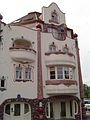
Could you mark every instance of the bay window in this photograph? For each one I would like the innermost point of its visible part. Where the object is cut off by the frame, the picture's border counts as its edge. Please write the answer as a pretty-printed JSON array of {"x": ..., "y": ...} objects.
[{"x": 61, "y": 72}]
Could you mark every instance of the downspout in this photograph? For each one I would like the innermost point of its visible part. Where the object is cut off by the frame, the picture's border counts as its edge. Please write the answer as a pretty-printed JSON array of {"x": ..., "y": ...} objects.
[{"x": 39, "y": 64}]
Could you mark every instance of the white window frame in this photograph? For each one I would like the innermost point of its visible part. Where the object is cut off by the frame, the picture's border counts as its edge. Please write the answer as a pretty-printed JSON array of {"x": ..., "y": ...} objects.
[
  {"x": 19, "y": 74},
  {"x": 71, "y": 73},
  {"x": 28, "y": 73},
  {"x": 23, "y": 72},
  {"x": 48, "y": 107}
]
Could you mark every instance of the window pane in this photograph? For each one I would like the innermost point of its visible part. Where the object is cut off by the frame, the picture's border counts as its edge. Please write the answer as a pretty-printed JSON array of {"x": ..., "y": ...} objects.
[
  {"x": 18, "y": 73},
  {"x": 66, "y": 72},
  {"x": 16, "y": 109},
  {"x": 52, "y": 72},
  {"x": 2, "y": 83},
  {"x": 47, "y": 109},
  {"x": 52, "y": 48},
  {"x": 54, "y": 16},
  {"x": 51, "y": 110},
  {"x": 27, "y": 73},
  {"x": 26, "y": 108},
  {"x": 7, "y": 109},
  {"x": 71, "y": 73},
  {"x": 59, "y": 73}
]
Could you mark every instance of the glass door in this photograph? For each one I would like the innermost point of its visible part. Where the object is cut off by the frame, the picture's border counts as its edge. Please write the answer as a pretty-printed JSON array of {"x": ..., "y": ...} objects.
[{"x": 17, "y": 111}]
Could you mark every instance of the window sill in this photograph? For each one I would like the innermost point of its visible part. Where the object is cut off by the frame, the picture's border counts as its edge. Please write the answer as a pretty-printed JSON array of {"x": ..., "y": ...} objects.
[
  {"x": 23, "y": 80},
  {"x": 2, "y": 89}
]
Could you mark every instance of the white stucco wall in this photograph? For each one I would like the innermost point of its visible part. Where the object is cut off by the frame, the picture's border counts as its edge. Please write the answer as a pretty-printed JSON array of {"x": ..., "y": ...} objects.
[
  {"x": 25, "y": 89},
  {"x": 47, "y": 13},
  {"x": 47, "y": 39}
]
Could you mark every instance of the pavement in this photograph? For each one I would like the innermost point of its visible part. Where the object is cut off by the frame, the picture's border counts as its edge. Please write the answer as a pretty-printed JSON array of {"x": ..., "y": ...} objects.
[{"x": 87, "y": 117}]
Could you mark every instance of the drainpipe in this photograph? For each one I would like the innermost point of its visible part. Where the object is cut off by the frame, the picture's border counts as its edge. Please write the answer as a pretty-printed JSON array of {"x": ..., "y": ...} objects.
[{"x": 39, "y": 64}]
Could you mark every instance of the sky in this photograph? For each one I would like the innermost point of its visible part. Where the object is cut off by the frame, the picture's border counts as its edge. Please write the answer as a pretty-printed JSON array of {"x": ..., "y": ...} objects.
[{"x": 77, "y": 14}]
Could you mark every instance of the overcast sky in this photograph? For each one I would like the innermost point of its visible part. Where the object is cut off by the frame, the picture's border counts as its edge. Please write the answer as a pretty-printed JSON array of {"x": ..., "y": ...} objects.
[{"x": 77, "y": 18}]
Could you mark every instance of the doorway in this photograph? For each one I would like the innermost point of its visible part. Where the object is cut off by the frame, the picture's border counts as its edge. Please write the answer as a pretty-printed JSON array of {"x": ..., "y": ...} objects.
[
  {"x": 17, "y": 111},
  {"x": 63, "y": 109}
]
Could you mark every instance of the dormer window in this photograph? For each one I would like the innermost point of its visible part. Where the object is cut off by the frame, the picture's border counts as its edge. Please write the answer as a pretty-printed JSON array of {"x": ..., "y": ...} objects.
[{"x": 54, "y": 16}]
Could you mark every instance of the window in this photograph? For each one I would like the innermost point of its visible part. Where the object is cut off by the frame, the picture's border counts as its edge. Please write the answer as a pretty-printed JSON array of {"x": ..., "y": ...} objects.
[
  {"x": 18, "y": 72},
  {"x": 52, "y": 47},
  {"x": 17, "y": 109},
  {"x": 7, "y": 109},
  {"x": 2, "y": 83},
  {"x": 66, "y": 72},
  {"x": 61, "y": 72},
  {"x": 49, "y": 110},
  {"x": 26, "y": 108},
  {"x": 76, "y": 107},
  {"x": 52, "y": 72},
  {"x": 27, "y": 73},
  {"x": 54, "y": 16},
  {"x": 23, "y": 72}
]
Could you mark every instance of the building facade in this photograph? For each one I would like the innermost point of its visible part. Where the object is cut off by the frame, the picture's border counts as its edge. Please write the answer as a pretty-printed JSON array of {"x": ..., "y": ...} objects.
[{"x": 40, "y": 73}]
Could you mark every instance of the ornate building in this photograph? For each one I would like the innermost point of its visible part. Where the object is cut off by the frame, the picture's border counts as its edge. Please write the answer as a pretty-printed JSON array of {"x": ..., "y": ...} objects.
[{"x": 40, "y": 73}]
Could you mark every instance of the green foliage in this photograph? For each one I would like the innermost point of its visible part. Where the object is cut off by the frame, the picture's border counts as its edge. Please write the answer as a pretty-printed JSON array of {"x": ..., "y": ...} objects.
[{"x": 86, "y": 91}]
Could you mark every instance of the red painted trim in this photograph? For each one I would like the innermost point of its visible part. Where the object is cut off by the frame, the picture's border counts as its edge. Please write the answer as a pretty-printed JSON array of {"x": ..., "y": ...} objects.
[
  {"x": 39, "y": 64},
  {"x": 65, "y": 82}
]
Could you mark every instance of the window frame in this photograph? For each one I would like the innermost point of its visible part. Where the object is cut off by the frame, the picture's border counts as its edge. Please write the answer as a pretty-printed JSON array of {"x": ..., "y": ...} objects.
[
  {"x": 49, "y": 109},
  {"x": 66, "y": 71},
  {"x": 54, "y": 16},
  {"x": 2, "y": 85},
  {"x": 52, "y": 48},
  {"x": 23, "y": 72}
]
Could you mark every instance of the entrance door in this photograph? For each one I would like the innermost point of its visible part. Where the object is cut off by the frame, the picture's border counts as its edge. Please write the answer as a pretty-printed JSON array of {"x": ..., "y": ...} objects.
[
  {"x": 17, "y": 111},
  {"x": 63, "y": 109}
]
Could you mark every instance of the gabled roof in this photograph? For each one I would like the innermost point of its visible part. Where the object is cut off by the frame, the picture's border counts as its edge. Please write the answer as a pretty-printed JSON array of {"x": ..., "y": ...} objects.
[{"x": 29, "y": 18}]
